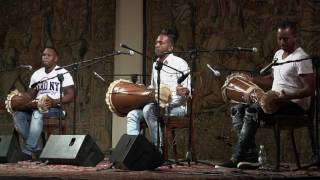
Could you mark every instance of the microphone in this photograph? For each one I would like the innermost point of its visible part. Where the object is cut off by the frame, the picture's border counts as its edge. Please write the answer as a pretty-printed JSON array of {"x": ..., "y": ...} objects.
[
  {"x": 254, "y": 49},
  {"x": 215, "y": 72},
  {"x": 29, "y": 67},
  {"x": 264, "y": 70},
  {"x": 129, "y": 48},
  {"x": 183, "y": 77},
  {"x": 98, "y": 76},
  {"x": 130, "y": 52}
]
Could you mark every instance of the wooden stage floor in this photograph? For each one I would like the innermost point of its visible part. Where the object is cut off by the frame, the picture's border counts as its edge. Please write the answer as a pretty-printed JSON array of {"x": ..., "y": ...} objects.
[{"x": 37, "y": 170}]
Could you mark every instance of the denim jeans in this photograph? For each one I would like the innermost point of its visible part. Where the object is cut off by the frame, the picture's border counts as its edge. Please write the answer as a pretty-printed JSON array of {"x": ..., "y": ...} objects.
[
  {"x": 29, "y": 124},
  {"x": 149, "y": 115},
  {"x": 246, "y": 119}
]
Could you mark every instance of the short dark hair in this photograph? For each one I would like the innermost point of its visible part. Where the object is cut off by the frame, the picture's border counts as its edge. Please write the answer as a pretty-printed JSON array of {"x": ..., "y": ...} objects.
[
  {"x": 293, "y": 26},
  {"x": 51, "y": 47},
  {"x": 171, "y": 33}
]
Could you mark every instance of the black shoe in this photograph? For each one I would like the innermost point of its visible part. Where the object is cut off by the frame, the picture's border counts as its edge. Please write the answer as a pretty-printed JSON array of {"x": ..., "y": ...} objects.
[
  {"x": 25, "y": 157},
  {"x": 36, "y": 155},
  {"x": 248, "y": 165},
  {"x": 227, "y": 164}
]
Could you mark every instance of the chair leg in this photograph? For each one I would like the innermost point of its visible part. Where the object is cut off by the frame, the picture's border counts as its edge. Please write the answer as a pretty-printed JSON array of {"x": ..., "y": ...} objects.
[
  {"x": 277, "y": 139},
  {"x": 295, "y": 148},
  {"x": 312, "y": 139},
  {"x": 165, "y": 142},
  {"x": 174, "y": 144},
  {"x": 193, "y": 146},
  {"x": 16, "y": 135},
  {"x": 43, "y": 138}
]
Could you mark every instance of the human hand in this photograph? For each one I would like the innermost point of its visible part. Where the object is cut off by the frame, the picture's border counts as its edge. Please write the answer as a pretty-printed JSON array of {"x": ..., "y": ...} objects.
[{"x": 182, "y": 91}]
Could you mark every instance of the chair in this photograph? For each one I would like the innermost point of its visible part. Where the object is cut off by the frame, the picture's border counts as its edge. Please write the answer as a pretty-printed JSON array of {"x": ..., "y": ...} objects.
[
  {"x": 291, "y": 123},
  {"x": 51, "y": 124},
  {"x": 172, "y": 123}
]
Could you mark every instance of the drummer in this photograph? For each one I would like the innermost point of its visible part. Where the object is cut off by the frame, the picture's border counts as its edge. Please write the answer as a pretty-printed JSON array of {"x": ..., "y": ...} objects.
[
  {"x": 293, "y": 81},
  {"x": 29, "y": 124},
  {"x": 163, "y": 50}
]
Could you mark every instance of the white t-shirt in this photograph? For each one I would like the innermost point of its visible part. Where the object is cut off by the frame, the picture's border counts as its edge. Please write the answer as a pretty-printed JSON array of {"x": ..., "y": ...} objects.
[
  {"x": 286, "y": 76},
  {"x": 51, "y": 87},
  {"x": 170, "y": 76}
]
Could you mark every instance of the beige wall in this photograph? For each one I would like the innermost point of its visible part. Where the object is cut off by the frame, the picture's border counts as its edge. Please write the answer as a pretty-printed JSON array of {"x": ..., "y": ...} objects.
[{"x": 129, "y": 31}]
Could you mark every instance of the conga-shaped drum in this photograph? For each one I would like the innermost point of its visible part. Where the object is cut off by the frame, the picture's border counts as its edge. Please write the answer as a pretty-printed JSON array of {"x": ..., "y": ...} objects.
[
  {"x": 17, "y": 101},
  {"x": 239, "y": 89},
  {"x": 123, "y": 96}
]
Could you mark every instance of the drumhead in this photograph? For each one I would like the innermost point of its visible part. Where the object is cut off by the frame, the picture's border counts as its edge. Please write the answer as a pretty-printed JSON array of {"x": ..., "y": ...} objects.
[
  {"x": 108, "y": 98},
  {"x": 9, "y": 100}
]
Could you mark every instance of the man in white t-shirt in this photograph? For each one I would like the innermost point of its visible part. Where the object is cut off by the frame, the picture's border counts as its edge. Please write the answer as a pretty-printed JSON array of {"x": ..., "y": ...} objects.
[
  {"x": 294, "y": 81},
  {"x": 168, "y": 76},
  {"x": 44, "y": 81}
]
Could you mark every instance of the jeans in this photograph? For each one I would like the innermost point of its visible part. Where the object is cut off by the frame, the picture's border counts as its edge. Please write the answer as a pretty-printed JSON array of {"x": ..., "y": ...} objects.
[
  {"x": 246, "y": 119},
  {"x": 29, "y": 124},
  {"x": 149, "y": 115}
]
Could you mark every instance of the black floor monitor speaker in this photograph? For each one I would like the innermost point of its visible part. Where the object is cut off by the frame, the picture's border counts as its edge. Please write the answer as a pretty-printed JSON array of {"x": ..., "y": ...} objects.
[
  {"x": 135, "y": 152},
  {"x": 78, "y": 150},
  {"x": 10, "y": 151}
]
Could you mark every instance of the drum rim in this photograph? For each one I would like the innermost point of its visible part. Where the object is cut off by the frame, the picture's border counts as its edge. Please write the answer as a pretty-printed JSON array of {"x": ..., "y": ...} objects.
[{"x": 109, "y": 96}]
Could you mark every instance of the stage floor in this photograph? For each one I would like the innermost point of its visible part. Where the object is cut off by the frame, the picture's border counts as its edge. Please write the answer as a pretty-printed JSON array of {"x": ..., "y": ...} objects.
[{"x": 38, "y": 170}]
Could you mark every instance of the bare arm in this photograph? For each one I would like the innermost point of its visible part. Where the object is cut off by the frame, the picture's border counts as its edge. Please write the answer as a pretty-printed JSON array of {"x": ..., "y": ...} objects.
[
  {"x": 265, "y": 82},
  {"x": 308, "y": 89},
  {"x": 67, "y": 98},
  {"x": 31, "y": 95}
]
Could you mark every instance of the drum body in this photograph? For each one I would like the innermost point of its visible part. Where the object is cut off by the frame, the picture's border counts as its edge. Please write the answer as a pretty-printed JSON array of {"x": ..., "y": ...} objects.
[
  {"x": 123, "y": 96},
  {"x": 239, "y": 89},
  {"x": 17, "y": 101}
]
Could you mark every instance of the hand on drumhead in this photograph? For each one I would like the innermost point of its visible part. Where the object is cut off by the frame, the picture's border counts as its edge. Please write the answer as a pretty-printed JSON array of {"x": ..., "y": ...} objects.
[
  {"x": 282, "y": 98},
  {"x": 45, "y": 103},
  {"x": 182, "y": 91},
  {"x": 48, "y": 103}
]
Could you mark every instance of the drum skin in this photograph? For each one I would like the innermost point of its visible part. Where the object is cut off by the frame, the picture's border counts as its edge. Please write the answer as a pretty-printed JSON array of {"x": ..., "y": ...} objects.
[{"x": 18, "y": 101}]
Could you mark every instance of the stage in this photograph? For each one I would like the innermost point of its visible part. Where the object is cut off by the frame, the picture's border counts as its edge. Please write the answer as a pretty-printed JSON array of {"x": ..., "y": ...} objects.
[{"x": 39, "y": 170}]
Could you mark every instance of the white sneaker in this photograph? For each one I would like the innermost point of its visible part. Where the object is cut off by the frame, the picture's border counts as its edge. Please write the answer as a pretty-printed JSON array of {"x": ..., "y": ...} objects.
[{"x": 248, "y": 165}]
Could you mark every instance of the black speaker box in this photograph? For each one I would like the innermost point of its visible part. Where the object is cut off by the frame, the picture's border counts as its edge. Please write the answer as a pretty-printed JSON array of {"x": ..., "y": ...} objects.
[
  {"x": 135, "y": 152},
  {"x": 10, "y": 151},
  {"x": 78, "y": 150}
]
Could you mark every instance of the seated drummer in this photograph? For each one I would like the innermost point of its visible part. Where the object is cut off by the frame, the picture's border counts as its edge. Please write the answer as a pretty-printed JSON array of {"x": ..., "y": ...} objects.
[
  {"x": 29, "y": 123},
  {"x": 293, "y": 81},
  {"x": 164, "y": 43}
]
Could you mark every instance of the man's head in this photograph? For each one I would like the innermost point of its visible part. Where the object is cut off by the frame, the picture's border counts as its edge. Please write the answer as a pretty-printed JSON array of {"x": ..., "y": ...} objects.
[
  {"x": 165, "y": 42},
  {"x": 287, "y": 36},
  {"x": 49, "y": 58}
]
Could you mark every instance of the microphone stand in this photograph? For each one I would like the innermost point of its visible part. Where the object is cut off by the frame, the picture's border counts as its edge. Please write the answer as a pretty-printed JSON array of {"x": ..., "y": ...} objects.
[
  {"x": 158, "y": 67},
  {"x": 60, "y": 78}
]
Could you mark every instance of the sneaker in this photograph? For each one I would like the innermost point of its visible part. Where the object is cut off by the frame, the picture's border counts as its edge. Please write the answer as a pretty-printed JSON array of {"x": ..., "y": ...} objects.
[
  {"x": 25, "y": 157},
  {"x": 36, "y": 155},
  {"x": 227, "y": 164},
  {"x": 248, "y": 165}
]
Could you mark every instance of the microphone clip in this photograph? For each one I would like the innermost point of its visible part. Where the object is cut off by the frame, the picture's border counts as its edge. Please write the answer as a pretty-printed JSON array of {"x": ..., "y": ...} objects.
[{"x": 159, "y": 65}]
